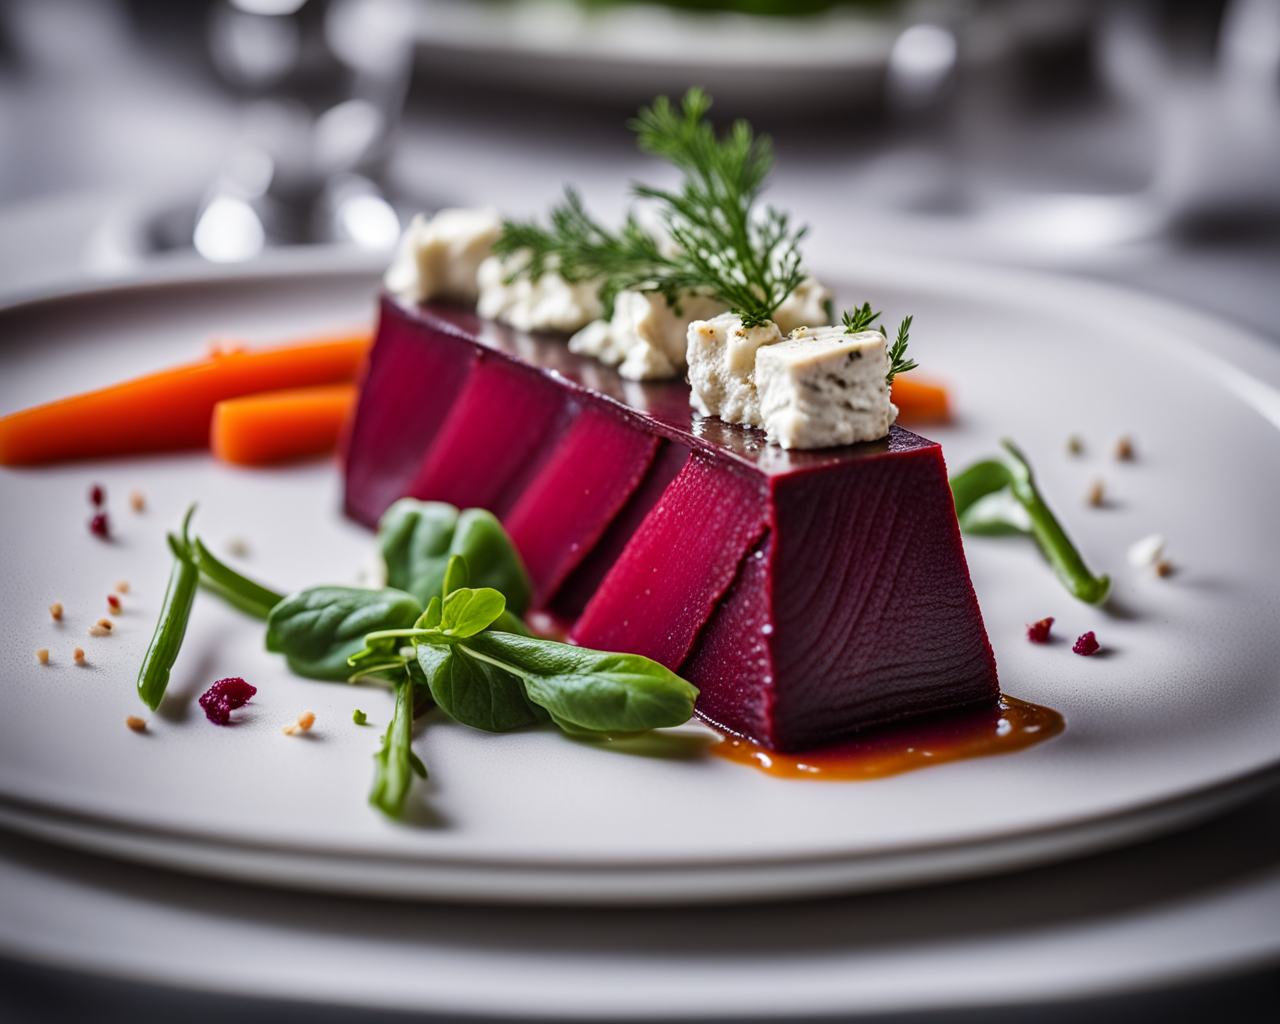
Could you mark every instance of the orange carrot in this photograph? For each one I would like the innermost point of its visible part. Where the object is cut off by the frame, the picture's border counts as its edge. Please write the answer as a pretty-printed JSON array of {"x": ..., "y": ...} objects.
[
  {"x": 919, "y": 401},
  {"x": 276, "y": 426},
  {"x": 171, "y": 409}
]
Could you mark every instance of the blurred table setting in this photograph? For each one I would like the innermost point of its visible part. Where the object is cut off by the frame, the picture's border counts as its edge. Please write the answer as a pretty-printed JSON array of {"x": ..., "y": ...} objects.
[{"x": 1134, "y": 143}]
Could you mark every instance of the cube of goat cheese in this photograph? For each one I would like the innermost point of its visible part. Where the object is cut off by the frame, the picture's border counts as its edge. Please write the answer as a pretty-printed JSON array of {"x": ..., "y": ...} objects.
[
  {"x": 808, "y": 306},
  {"x": 646, "y": 334},
  {"x": 438, "y": 256},
  {"x": 822, "y": 388},
  {"x": 548, "y": 304},
  {"x": 722, "y": 366}
]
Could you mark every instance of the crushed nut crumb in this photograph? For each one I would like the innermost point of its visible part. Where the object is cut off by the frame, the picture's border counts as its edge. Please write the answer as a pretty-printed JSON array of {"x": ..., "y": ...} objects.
[
  {"x": 1096, "y": 495},
  {"x": 137, "y": 501},
  {"x": 1164, "y": 568},
  {"x": 306, "y": 720},
  {"x": 238, "y": 547},
  {"x": 1075, "y": 445},
  {"x": 42, "y": 655},
  {"x": 78, "y": 656},
  {"x": 122, "y": 587},
  {"x": 1124, "y": 449},
  {"x": 55, "y": 610},
  {"x": 290, "y": 729},
  {"x": 102, "y": 627},
  {"x": 136, "y": 724},
  {"x": 113, "y": 604},
  {"x": 1146, "y": 551}
]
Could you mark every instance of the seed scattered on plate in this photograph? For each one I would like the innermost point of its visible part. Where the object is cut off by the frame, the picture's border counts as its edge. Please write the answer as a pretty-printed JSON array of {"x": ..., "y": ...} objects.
[
  {"x": 238, "y": 547},
  {"x": 137, "y": 501},
  {"x": 42, "y": 655},
  {"x": 1075, "y": 445},
  {"x": 1096, "y": 495},
  {"x": 97, "y": 495},
  {"x": 78, "y": 656},
  {"x": 136, "y": 724},
  {"x": 1164, "y": 567},
  {"x": 305, "y": 721},
  {"x": 1124, "y": 449},
  {"x": 102, "y": 627},
  {"x": 1146, "y": 552},
  {"x": 122, "y": 587},
  {"x": 113, "y": 604},
  {"x": 99, "y": 526},
  {"x": 55, "y": 610}
]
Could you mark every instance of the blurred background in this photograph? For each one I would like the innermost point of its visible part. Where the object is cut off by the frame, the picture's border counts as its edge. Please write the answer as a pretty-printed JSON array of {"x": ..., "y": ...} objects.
[{"x": 1136, "y": 141}]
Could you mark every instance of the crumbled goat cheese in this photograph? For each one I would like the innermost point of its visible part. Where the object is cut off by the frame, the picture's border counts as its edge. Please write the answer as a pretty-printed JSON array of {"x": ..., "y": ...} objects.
[
  {"x": 438, "y": 256},
  {"x": 548, "y": 304},
  {"x": 646, "y": 335},
  {"x": 808, "y": 306},
  {"x": 722, "y": 367},
  {"x": 822, "y": 388}
]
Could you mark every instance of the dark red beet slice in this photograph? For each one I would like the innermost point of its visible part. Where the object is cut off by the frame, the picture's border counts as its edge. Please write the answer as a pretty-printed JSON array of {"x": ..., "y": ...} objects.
[
  {"x": 662, "y": 590},
  {"x": 859, "y": 611},
  {"x": 505, "y": 416},
  {"x": 808, "y": 594},
  {"x": 573, "y": 595},
  {"x": 587, "y": 481},
  {"x": 410, "y": 388}
]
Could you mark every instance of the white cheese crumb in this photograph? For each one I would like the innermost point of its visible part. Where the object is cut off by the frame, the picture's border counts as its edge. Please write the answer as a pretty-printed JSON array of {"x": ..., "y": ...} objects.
[
  {"x": 823, "y": 388},
  {"x": 438, "y": 256},
  {"x": 805, "y": 307},
  {"x": 646, "y": 336},
  {"x": 722, "y": 367},
  {"x": 548, "y": 304},
  {"x": 1146, "y": 551}
]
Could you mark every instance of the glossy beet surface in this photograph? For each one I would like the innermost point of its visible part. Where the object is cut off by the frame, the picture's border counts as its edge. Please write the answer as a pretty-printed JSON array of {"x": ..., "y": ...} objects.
[{"x": 808, "y": 594}]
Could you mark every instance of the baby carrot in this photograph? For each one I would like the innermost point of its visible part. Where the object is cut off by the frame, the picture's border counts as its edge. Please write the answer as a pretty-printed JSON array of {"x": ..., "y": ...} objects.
[
  {"x": 919, "y": 401},
  {"x": 276, "y": 426},
  {"x": 172, "y": 409}
]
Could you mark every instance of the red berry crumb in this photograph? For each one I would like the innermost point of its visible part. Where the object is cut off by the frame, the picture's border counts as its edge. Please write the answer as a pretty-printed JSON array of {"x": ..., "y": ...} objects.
[
  {"x": 113, "y": 603},
  {"x": 1087, "y": 644},
  {"x": 223, "y": 697},
  {"x": 99, "y": 526},
  {"x": 1038, "y": 632},
  {"x": 97, "y": 495}
]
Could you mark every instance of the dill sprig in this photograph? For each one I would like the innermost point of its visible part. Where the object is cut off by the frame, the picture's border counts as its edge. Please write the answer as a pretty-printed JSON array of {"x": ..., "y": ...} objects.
[
  {"x": 898, "y": 361},
  {"x": 579, "y": 249},
  {"x": 862, "y": 319},
  {"x": 748, "y": 259},
  {"x": 859, "y": 320}
]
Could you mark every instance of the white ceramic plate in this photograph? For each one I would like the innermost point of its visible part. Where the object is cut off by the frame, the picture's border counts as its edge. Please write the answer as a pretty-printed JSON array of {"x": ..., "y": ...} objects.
[{"x": 1179, "y": 718}]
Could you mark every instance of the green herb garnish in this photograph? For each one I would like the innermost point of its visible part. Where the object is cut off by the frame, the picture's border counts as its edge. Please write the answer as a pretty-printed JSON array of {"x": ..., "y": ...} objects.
[
  {"x": 359, "y": 717},
  {"x": 723, "y": 246},
  {"x": 862, "y": 319},
  {"x": 982, "y": 494}
]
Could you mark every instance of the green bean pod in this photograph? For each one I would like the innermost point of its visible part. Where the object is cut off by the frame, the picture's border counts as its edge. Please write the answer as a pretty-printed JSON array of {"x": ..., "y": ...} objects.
[
  {"x": 1053, "y": 540},
  {"x": 175, "y": 612}
]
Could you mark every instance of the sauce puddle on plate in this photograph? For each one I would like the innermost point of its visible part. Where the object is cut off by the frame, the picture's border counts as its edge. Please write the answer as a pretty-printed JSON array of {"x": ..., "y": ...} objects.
[{"x": 1009, "y": 725}]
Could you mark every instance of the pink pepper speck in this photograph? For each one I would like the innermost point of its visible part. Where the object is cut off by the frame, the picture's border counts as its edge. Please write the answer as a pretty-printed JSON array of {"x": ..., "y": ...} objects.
[
  {"x": 1038, "y": 632},
  {"x": 1087, "y": 644},
  {"x": 223, "y": 697},
  {"x": 99, "y": 526}
]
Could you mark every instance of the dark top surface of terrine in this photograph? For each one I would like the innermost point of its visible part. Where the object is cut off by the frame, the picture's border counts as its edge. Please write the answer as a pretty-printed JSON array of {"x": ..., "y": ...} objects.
[{"x": 662, "y": 406}]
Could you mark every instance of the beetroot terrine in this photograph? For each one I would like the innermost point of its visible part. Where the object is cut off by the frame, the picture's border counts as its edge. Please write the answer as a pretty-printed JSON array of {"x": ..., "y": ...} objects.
[{"x": 806, "y": 593}]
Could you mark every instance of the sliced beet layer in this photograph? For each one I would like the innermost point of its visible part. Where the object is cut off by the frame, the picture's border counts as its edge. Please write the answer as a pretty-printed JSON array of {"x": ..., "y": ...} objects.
[
  {"x": 807, "y": 594},
  {"x": 581, "y": 487}
]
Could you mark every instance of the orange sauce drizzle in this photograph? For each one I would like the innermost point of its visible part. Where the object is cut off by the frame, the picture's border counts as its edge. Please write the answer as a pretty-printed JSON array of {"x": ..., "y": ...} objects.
[{"x": 1009, "y": 725}]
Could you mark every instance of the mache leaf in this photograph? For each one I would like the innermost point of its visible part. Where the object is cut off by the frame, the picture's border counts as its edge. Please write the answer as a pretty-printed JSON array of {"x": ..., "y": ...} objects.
[{"x": 319, "y": 629}]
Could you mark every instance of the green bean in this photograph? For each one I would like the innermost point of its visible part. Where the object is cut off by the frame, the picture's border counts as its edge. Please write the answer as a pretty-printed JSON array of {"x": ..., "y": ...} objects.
[
  {"x": 396, "y": 763},
  {"x": 1053, "y": 540},
  {"x": 233, "y": 588},
  {"x": 175, "y": 612}
]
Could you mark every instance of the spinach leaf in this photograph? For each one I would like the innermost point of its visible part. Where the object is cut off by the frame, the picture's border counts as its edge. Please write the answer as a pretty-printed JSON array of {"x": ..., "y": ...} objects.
[
  {"x": 414, "y": 537},
  {"x": 475, "y": 692},
  {"x": 318, "y": 629},
  {"x": 587, "y": 690},
  {"x": 417, "y": 539}
]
